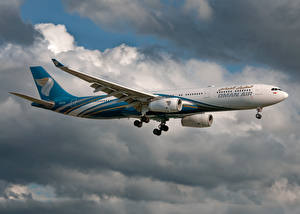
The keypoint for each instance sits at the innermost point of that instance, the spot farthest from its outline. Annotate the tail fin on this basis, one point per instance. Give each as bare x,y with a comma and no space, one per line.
48,88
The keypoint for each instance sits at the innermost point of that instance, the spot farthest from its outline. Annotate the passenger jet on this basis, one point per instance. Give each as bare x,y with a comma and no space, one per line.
193,106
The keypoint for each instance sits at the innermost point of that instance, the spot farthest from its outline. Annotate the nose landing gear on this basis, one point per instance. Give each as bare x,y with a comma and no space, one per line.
258,114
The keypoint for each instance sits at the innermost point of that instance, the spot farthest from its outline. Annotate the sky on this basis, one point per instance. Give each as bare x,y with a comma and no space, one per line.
53,163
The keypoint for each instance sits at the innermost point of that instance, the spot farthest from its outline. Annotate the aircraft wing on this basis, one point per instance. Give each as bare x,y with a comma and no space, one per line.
131,96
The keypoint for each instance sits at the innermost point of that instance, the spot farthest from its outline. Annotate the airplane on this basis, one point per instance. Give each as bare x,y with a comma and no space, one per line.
193,106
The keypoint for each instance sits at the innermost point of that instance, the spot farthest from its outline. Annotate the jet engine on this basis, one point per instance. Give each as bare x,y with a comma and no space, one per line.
197,120
166,105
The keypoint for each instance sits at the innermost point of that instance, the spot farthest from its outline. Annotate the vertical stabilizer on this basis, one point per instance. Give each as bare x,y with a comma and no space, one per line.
48,88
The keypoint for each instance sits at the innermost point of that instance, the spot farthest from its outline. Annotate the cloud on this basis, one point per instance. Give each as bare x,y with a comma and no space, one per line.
57,44
13,28
110,166
202,8
17,192
252,31
284,192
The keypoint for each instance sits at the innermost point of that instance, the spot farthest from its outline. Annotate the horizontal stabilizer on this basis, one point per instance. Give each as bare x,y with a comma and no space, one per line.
47,104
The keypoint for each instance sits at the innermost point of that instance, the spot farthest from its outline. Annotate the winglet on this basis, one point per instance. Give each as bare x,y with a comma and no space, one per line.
57,63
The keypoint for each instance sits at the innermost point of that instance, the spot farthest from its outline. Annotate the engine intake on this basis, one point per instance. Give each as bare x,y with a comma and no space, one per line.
197,120
166,105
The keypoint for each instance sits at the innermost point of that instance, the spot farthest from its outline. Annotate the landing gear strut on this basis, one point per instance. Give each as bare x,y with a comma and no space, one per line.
145,119
161,127
258,114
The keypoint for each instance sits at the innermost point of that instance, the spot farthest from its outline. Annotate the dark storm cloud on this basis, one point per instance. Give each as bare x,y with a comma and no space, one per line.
131,207
12,28
72,206
252,31
69,156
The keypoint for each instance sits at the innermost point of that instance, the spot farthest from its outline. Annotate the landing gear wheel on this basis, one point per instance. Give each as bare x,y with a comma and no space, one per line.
164,128
258,116
157,132
138,123
145,119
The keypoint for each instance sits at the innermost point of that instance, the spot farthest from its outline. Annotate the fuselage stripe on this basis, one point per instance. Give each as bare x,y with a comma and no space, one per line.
61,108
189,106
201,103
77,106
93,108
107,109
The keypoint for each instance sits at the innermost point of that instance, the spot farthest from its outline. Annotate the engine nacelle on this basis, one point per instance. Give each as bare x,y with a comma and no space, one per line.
197,120
166,105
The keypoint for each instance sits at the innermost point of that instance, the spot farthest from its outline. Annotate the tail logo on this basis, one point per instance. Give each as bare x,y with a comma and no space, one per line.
46,84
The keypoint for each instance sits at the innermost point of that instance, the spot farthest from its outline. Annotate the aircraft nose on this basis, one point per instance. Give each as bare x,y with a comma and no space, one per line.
285,95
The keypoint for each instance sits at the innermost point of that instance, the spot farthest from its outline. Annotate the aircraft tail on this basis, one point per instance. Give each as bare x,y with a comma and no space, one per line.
48,88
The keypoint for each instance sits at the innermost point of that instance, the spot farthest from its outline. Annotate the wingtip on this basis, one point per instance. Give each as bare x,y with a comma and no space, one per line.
14,93
57,63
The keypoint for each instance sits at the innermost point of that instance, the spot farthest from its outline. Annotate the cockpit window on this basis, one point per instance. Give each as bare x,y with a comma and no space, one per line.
275,89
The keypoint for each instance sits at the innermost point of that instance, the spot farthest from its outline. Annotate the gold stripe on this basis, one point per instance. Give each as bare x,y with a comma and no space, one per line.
190,106
90,101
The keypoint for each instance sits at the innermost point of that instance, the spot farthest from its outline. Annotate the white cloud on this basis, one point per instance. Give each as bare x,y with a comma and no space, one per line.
57,36
31,191
17,192
284,192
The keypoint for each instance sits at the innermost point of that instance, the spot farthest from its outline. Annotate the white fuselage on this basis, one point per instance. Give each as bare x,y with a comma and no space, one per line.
197,100
236,97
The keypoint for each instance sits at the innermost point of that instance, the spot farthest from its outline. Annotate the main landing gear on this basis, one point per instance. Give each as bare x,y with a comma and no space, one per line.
161,127
258,114
139,123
